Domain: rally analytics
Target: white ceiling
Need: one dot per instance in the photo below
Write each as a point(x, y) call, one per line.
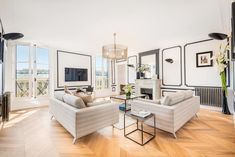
point(86, 25)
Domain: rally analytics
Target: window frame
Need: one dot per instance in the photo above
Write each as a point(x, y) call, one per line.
point(103, 86)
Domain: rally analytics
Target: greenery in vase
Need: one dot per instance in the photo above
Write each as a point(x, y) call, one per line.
point(128, 90)
point(143, 68)
point(221, 60)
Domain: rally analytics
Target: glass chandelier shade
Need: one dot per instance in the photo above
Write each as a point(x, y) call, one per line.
point(115, 51)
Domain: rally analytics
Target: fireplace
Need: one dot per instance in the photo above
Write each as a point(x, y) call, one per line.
point(150, 87)
point(148, 92)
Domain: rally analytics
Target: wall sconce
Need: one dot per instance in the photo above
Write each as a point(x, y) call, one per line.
point(130, 65)
point(169, 60)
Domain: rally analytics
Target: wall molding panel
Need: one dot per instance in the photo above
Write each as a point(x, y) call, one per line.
point(175, 53)
point(76, 60)
point(131, 59)
point(201, 77)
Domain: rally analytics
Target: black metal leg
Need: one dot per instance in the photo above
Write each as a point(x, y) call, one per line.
point(137, 124)
point(124, 124)
point(141, 129)
point(125, 106)
point(142, 133)
point(154, 120)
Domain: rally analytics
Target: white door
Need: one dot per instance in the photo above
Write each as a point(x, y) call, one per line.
point(32, 74)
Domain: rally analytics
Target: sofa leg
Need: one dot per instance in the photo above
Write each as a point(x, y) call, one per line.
point(175, 135)
point(196, 115)
point(74, 140)
point(52, 117)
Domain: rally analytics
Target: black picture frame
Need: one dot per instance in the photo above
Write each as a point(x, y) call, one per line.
point(208, 59)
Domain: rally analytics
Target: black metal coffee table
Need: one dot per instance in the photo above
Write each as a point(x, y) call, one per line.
point(125, 99)
point(141, 120)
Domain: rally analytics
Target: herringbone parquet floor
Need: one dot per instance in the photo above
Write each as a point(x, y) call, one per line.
point(31, 133)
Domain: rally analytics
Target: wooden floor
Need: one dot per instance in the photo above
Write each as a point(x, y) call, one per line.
point(31, 133)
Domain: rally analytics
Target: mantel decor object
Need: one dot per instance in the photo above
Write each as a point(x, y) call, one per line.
point(141, 70)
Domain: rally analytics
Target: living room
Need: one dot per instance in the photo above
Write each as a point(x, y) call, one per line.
point(117, 78)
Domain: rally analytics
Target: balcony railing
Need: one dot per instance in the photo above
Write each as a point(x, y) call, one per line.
point(22, 87)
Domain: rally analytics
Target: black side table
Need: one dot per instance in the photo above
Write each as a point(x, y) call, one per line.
point(141, 120)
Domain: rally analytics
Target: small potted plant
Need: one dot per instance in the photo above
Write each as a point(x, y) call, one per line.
point(128, 90)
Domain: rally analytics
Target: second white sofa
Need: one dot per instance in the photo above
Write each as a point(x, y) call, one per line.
point(172, 112)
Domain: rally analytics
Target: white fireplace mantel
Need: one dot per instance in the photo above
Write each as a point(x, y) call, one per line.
point(154, 84)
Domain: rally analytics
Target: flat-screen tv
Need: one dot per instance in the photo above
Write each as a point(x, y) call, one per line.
point(75, 74)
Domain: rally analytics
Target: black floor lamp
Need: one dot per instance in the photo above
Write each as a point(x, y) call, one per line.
point(5, 96)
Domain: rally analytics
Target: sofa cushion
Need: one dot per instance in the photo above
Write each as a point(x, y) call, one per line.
point(74, 101)
point(188, 94)
point(165, 100)
point(98, 103)
point(149, 100)
point(59, 95)
point(173, 99)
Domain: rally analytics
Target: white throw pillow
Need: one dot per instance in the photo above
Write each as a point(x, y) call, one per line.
point(166, 100)
point(188, 94)
point(74, 101)
point(59, 95)
point(176, 98)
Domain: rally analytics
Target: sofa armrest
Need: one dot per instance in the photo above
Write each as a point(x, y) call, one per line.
point(64, 113)
point(93, 118)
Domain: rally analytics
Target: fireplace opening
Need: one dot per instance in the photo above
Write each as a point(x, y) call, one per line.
point(148, 92)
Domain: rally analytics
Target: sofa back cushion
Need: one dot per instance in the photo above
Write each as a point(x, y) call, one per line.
point(59, 95)
point(74, 101)
point(173, 99)
point(188, 94)
point(98, 103)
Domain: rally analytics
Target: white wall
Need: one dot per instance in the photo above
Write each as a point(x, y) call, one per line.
point(203, 76)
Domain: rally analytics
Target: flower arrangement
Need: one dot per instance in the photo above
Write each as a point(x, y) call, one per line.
point(143, 68)
point(128, 90)
point(221, 60)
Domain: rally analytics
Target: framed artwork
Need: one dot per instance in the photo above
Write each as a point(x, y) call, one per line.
point(203, 59)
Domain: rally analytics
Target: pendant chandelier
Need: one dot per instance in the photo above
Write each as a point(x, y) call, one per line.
point(114, 51)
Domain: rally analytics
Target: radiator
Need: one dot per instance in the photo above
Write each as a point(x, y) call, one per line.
point(210, 96)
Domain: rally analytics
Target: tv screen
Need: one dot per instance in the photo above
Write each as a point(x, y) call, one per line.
point(75, 74)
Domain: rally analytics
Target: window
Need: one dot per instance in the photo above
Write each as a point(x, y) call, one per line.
point(22, 71)
point(42, 71)
point(101, 73)
point(32, 71)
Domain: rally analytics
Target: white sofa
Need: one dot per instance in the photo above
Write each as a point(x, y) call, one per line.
point(83, 121)
point(172, 112)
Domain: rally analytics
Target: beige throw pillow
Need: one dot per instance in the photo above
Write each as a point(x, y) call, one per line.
point(85, 97)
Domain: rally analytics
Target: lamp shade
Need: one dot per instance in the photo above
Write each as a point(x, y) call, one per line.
point(218, 36)
point(13, 36)
point(114, 51)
